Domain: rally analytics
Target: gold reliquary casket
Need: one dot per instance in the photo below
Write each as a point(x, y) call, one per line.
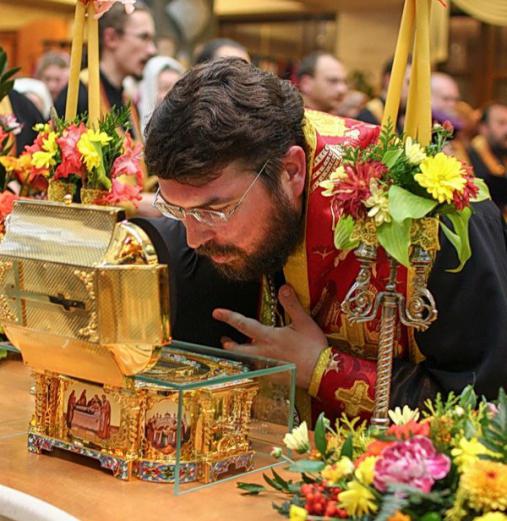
point(84, 299)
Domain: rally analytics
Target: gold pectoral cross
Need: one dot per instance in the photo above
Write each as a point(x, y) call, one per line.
point(355, 399)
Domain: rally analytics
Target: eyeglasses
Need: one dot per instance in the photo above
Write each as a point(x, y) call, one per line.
point(202, 215)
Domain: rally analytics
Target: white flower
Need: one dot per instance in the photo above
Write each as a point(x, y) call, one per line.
point(276, 452)
point(330, 184)
point(459, 411)
point(403, 416)
point(379, 204)
point(414, 152)
point(298, 439)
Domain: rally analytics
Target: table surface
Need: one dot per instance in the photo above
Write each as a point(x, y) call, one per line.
point(78, 486)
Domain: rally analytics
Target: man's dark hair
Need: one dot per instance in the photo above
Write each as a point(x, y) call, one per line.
point(116, 17)
point(309, 63)
point(486, 111)
point(210, 49)
point(222, 112)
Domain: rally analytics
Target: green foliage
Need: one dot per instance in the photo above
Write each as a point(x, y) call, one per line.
point(320, 434)
point(110, 123)
point(6, 75)
point(459, 238)
point(395, 238)
point(250, 489)
point(404, 204)
point(306, 465)
point(495, 432)
point(342, 232)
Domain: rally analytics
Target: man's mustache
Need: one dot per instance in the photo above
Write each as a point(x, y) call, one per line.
point(211, 249)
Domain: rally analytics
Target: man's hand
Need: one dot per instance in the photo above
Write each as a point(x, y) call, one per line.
point(300, 342)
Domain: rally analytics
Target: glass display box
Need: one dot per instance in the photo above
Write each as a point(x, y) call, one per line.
point(84, 299)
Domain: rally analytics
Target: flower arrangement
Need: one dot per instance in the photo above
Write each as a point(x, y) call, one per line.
point(104, 162)
point(393, 182)
point(447, 463)
point(9, 128)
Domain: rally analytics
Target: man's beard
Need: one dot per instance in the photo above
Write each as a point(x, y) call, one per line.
point(282, 235)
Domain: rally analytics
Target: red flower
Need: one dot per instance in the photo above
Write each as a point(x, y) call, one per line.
point(71, 158)
point(122, 192)
point(409, 429)
point(129, 162)
point(353, 190)
point(462, 199)
point(7, 199)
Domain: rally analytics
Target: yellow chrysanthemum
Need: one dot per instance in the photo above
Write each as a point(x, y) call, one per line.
point(357, 500)
point(297, 513)
point(485, 485)
point(365, 471)
point(441, 175)
point(491, 516)
point(399, 516)
point(333, 473)
point(468, 451)
point(45, 158)
point(414, 152)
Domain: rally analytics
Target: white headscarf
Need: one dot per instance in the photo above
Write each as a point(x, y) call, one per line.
point(148, 86)
point(39, 88)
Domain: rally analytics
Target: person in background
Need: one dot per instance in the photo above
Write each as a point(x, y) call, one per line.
point(126, 44)
point(53, 70)
point(444, 97)
point(37, 92)
point(352, 104)
point(373, 111)
point(221, 48)
point(322, 81)
point(488, 152)
point(159, 77)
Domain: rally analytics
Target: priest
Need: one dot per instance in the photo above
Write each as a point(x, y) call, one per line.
point(240, 164)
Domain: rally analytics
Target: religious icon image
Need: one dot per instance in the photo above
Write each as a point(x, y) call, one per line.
point(88, 412)
point(161, 427)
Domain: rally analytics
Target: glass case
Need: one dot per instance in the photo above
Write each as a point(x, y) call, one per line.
point(198, 416)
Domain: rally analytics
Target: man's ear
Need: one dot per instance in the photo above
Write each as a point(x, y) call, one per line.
point(305, 84)
point(110, 38)
point(294, 163)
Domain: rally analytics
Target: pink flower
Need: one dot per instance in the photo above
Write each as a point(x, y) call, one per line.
point(353, 190)
point(7, 199)
point(102, 6)
point(129, 162)
point(120, 193)
point(413, 462)
point(71, 158)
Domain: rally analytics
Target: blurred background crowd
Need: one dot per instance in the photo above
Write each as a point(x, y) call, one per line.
point(338, 53)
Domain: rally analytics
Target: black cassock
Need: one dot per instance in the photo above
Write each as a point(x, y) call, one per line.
point(466, 345)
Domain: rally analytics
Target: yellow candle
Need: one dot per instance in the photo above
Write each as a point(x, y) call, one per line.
point(403, 46)
point(93, 68)
point(422, 36)
point(411, 112)
point(75, 61)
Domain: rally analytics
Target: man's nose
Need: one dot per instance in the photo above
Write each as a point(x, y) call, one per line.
point(152, 48)
point(197, 233)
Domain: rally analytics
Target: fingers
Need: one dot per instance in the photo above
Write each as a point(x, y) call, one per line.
point(248, 326)
point(289, 301)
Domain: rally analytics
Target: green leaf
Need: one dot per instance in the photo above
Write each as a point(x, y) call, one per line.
point(459, 238)
point(347, 448)
point(274, 483)
point(250, 489)
point(320, 434)
point(342, 232)
point(483, 193)
point(406, 205)
point(306, 465)
point(391, 156)
point(395, 239)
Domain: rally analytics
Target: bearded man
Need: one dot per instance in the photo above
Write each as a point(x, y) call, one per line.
point(239, 164)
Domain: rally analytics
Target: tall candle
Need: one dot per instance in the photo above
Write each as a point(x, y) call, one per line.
point(93, 68)
point(75, 61)
point(423, 71)
point(403, 46)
